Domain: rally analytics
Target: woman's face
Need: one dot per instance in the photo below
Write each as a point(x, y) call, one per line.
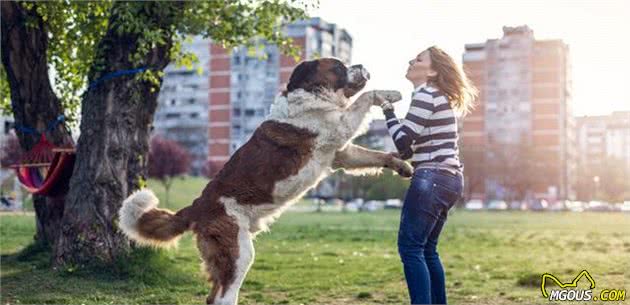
point(420, 68)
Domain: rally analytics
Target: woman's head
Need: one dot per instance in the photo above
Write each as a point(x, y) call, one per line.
point(438, 69)
point(420, 68)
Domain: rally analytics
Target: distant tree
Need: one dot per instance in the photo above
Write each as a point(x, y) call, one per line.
point(584, 183)
point(614, 180)
point(519, 168)
point(613, 184)
point(167, 160)
point(474, 160)
point(11, 151)
point(386, 186)
point(381, 187)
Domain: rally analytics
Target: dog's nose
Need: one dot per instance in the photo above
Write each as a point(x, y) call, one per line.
point(366, 74)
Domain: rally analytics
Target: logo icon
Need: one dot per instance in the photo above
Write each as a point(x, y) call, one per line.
point(570, 292)
point(565, 285)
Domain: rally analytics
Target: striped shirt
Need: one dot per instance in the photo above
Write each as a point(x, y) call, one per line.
point(428, 134)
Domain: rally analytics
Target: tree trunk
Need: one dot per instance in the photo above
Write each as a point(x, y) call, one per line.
point(113, 146)
point(33, 101)
point(48, 215)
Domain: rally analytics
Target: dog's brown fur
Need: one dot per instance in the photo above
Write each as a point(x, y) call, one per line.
point(275, 152)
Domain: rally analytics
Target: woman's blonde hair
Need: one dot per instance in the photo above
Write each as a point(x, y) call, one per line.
point(452, 81)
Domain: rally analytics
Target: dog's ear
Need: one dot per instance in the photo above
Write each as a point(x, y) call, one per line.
point(303, 76)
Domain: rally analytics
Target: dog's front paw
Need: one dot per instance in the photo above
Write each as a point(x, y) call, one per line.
point(382, 96)
point(391, 96)
point(378, 97)
point(403, 168)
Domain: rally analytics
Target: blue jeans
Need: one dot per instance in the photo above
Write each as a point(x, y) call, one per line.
point(431, 194)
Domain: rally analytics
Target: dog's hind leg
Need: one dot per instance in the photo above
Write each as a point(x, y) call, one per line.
point(227, 251)
point(242, 263)
point(208, 250)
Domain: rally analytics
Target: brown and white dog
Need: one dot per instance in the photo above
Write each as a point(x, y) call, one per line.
point(306, 137)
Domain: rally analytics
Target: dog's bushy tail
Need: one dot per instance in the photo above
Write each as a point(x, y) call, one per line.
point(143, 222)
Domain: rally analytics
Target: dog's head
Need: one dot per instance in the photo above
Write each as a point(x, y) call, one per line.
point(328, 74)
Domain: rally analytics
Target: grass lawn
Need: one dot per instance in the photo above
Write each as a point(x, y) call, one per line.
point(338, 258)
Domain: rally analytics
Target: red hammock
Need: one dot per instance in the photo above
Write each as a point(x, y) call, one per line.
point(46, 169)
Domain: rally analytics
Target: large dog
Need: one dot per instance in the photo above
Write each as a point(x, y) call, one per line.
point(306, 137)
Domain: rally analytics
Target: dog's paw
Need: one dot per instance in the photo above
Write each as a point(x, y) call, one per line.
point(403, 168)
point(391, 96)
point(378, 97)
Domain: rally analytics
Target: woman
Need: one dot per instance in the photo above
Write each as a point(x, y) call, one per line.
point(428, 136)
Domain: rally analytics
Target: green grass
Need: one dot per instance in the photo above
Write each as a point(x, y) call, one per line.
point(342, 258)
point(183, 191)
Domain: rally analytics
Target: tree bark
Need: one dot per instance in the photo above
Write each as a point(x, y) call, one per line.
point(33, 101)
point(113, 146)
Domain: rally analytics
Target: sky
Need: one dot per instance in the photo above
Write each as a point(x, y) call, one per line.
point(387, 34)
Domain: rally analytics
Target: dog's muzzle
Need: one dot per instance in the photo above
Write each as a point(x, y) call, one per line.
point(357, 78)
point(357, 74)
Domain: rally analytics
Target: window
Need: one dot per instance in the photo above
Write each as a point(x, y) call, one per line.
point(249, 112)
point(236, 112)
point(173, 102)
point(191, 101)
point(194, 115)
point(172, 115)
